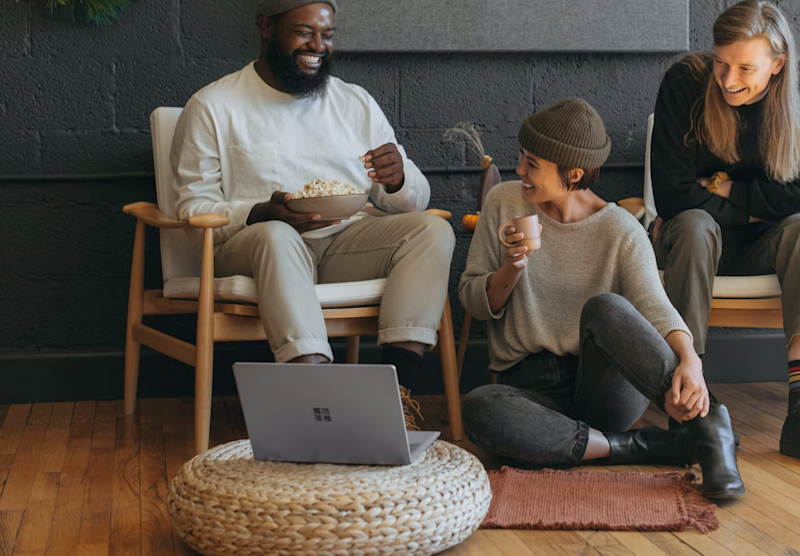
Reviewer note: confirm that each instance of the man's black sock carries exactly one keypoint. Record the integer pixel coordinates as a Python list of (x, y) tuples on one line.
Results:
[(407, 363)]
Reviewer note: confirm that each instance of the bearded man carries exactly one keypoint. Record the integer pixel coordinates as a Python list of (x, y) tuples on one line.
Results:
[(245, 143)]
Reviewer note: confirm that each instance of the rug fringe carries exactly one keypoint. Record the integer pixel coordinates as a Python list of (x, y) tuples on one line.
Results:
[(701, 512)]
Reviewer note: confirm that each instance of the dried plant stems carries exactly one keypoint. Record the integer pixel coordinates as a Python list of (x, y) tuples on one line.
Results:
[(469, 133)]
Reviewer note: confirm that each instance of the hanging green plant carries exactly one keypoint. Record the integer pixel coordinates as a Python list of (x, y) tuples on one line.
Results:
[(99, 12)]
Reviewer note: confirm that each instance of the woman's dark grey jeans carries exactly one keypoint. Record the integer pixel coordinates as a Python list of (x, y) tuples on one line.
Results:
[(543, 406)]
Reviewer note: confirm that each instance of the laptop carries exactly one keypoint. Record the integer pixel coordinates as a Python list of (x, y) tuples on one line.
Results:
[(327, 414)]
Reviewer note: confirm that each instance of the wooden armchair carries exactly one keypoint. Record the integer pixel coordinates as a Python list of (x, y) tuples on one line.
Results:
[(226, 307), (738, 301)]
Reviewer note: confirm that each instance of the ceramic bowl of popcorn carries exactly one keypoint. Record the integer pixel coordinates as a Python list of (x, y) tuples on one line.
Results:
[(331, 200)]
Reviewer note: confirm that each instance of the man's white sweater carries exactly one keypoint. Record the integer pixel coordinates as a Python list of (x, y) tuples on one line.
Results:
[(239, 140)]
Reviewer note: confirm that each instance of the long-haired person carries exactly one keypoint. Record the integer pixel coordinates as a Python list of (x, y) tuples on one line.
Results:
[(580, 330), (726, 174)]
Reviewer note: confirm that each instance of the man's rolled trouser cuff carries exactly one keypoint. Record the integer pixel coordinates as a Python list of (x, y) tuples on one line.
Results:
[(408, 334), (306, 346)]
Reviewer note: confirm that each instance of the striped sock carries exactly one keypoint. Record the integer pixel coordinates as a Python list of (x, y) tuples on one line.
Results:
[(794, 376)]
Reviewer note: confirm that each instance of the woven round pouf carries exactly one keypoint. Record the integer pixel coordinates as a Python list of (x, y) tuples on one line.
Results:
[(225, 502)]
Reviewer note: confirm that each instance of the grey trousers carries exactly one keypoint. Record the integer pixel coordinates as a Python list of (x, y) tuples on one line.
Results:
[(692, 248), (413, 251), (543, 407)]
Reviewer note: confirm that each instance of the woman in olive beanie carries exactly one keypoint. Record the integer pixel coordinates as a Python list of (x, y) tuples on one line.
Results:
[(581, 333)]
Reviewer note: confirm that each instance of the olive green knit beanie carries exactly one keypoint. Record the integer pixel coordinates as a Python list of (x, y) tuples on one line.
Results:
[(569, 133), (275, 7)]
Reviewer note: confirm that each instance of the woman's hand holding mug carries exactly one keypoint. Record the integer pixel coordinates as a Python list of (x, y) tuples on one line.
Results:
[(523, 237)]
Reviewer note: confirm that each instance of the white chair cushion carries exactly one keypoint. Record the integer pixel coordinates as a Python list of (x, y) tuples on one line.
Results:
[(744, 287), (242, 289)]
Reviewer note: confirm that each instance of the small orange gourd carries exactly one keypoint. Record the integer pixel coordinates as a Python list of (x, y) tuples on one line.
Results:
[(470, 221)]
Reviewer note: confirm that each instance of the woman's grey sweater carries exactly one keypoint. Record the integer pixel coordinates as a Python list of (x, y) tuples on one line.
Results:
[(606, 252)]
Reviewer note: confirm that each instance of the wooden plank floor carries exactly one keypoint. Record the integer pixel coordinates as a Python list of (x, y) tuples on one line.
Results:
[(82, 478)]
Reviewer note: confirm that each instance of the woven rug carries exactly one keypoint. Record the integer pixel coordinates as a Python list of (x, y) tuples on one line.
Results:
[(578, 500)]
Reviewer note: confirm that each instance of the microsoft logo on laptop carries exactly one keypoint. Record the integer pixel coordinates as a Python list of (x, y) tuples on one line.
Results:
[(322, 414)]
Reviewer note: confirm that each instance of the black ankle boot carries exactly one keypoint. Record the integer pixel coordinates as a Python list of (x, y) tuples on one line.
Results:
[(790, 435), (650, 445), (712, 437), (674, 425)]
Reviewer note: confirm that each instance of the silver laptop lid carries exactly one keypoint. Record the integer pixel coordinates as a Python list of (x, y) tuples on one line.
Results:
[(323, 413)]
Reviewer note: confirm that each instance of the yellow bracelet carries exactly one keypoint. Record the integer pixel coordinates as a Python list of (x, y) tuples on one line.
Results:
[(717, 179)]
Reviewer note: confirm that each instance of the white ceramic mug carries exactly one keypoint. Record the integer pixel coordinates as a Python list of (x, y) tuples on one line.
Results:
[(528, 226)]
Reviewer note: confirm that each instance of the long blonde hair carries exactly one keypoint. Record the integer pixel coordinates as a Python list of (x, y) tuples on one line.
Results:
[(716, 123)]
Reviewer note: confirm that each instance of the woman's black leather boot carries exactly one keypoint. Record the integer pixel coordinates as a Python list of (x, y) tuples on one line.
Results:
[(650, 446), (715, 449), (674, 425)]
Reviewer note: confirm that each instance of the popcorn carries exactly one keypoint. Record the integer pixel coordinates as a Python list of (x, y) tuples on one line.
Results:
[(322, 188)]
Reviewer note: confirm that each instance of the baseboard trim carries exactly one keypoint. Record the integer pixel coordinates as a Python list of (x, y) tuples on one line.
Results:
[(746, 356), (51, 377)]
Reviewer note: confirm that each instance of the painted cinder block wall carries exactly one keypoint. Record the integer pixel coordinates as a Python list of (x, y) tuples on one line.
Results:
[(74, 108)]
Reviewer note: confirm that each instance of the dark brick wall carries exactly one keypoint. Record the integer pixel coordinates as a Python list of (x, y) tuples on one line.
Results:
[(75, 99)]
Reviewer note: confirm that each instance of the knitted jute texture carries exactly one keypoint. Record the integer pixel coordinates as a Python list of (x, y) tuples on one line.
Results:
[(578, 500), (569, 132), (225, 502)]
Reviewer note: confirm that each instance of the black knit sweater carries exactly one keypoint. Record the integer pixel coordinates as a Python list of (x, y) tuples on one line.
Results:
[(675, 167)]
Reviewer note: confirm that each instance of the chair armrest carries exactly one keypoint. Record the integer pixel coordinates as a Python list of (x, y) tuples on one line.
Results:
[(209, 220), (634, 205), (442, 213), (150, 215)]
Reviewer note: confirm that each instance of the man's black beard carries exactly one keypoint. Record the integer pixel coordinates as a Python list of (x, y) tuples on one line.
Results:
[(293, 80)]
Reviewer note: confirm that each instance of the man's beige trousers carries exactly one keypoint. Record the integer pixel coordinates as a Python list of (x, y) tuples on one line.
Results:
[(413, 251)]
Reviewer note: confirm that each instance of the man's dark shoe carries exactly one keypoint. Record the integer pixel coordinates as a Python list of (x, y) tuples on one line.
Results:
[(790, 436), (712, 437), (673, 424), (650, 446)]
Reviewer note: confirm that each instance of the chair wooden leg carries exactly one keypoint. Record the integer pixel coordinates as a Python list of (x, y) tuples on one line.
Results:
[(493, 377), (135, 295), (462, 342), (447, 346), (353, 345), (204, 370)]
